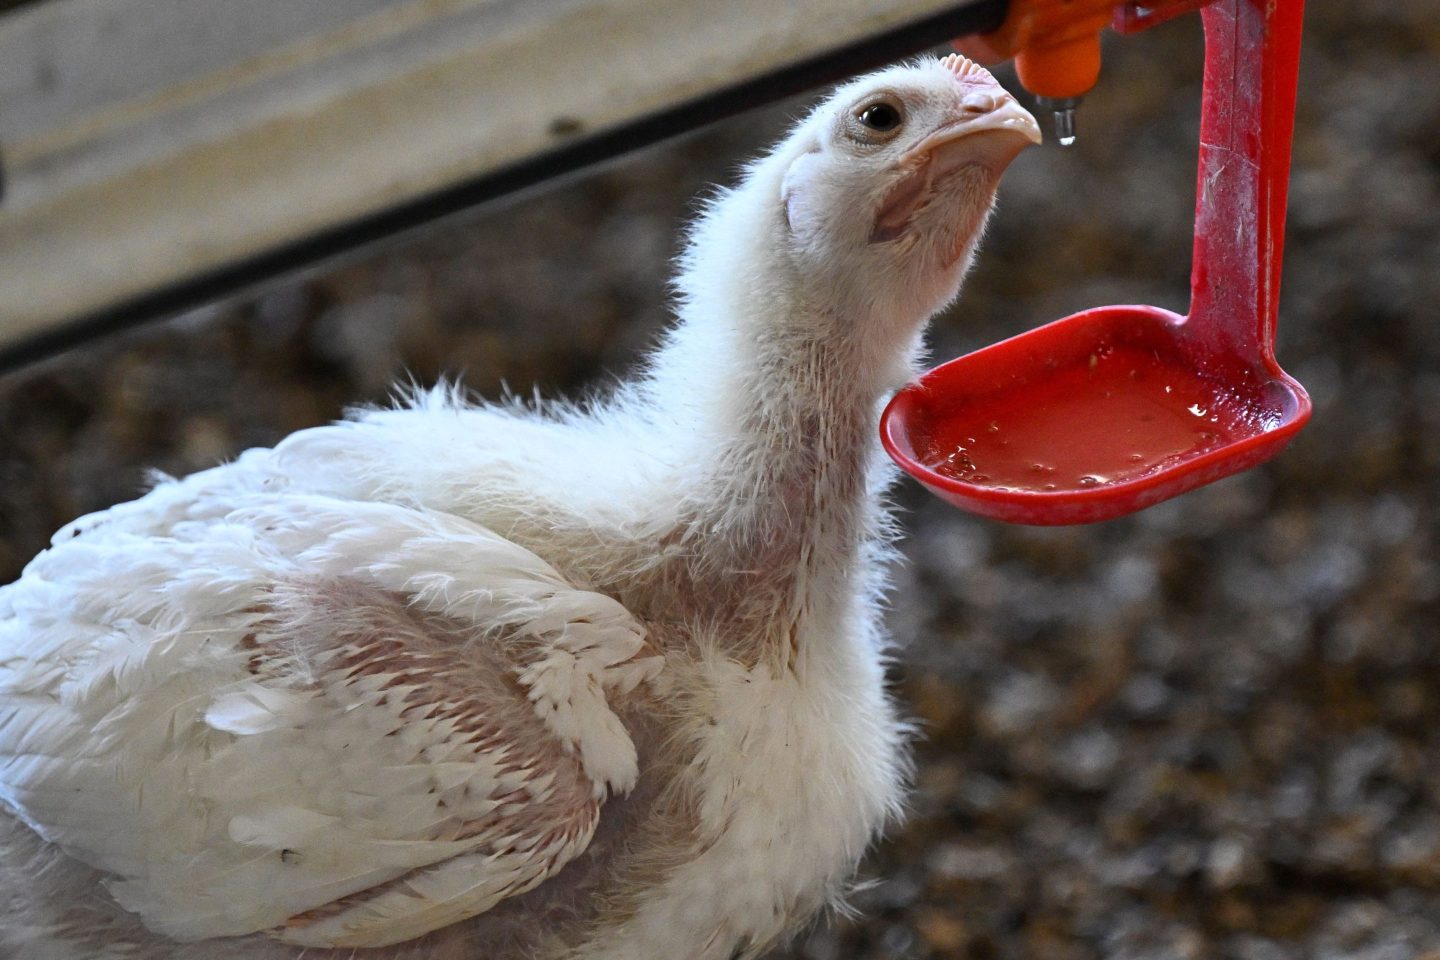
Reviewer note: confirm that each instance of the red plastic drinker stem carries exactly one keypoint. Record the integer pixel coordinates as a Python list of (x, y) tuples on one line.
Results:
[(1111, 410), (1244, 175)]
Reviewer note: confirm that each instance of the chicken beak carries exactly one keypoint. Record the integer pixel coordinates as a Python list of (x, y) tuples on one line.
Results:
[(992, 132)]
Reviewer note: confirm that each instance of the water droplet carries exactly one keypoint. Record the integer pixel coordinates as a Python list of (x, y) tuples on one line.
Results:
[(1198, 410), (994, 427), (1050, 486), (1136, 457), (1089, 481)]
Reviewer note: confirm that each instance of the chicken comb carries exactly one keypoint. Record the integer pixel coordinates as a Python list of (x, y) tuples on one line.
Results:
[(961, 66)]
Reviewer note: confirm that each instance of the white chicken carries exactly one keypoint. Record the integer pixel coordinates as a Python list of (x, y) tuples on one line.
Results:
[(486, 683)]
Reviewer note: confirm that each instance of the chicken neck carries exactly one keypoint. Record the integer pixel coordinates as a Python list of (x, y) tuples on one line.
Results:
[(769, 388)]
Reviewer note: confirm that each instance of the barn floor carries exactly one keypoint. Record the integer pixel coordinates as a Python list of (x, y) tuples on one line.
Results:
[(1209, 730)]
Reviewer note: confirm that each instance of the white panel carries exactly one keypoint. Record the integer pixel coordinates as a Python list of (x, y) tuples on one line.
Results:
[(149, 140)]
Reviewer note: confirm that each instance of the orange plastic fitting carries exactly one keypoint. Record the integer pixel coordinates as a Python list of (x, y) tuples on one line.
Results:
[(1056, 43)]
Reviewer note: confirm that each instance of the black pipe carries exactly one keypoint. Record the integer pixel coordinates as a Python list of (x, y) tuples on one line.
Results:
[(308, 252)]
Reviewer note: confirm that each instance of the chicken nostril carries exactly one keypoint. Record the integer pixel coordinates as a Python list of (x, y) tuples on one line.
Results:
[(977, 103)]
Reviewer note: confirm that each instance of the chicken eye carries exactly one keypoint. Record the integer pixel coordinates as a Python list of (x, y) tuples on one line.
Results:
[(877, 119), (881, 117)]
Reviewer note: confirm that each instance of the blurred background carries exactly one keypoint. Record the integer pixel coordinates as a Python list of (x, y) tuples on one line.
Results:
[(1208, 730)]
